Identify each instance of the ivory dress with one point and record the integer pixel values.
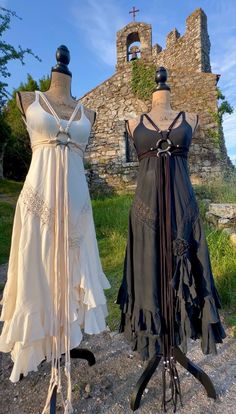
(55, 279)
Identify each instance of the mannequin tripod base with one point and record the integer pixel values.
(80, 353)
(180, 357)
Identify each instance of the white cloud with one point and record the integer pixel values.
(99, 22)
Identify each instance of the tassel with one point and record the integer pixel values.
(169, 367)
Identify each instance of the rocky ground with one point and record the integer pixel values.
(105, 387)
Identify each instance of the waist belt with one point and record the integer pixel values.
(171, 149)
(71, 145)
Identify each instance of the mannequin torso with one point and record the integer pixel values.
(162, 114)
(59, 96)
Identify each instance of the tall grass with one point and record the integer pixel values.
(111, 221)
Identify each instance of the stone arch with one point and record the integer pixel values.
(134, 32)
(133, 40)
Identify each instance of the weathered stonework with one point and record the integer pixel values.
(223, 216)
(111, 160)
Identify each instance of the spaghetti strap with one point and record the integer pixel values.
(78, 105)
(169, 128)
(152, 122)
(49, 106)
(174, 121)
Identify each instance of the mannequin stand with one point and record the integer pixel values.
(80, 353)
(180, 357)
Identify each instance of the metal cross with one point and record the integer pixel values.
(133, 12)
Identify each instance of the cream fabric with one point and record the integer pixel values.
(55, 280)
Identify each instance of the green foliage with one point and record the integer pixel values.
(10, 188)
(44, 83)
(8, 52)
(218, 192)
(18, 152)
(223, 261)
(143, 79)
(223, 108)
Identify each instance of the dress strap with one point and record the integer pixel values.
(152, 122)
(174, 121)
(49, 106)
(171, 125)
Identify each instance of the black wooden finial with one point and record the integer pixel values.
(63, 60)
(161, 78)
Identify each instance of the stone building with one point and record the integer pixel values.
(110, 159)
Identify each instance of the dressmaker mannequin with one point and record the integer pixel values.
(166, 347)
(59, 93)
(161, 113)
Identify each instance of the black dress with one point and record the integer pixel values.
(168, 292)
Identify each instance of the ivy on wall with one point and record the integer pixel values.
(143, 85)
(143, 79)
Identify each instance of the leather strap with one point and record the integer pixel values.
(180, 151)
(171, 125)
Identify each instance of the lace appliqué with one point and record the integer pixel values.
(86, 207)
(74, 242)
(36, 205)
(76, 239)
(143, 212)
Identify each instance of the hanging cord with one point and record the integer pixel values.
(55, 369)
(68, 405)
(169, 369)
(61, 233)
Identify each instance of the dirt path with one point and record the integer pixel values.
(105, 388)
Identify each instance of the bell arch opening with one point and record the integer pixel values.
(133, 46)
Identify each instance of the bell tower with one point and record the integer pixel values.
(134, 41)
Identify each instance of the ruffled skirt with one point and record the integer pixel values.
(196, 300)
(36, 278)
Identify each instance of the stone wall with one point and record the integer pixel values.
(193, 89)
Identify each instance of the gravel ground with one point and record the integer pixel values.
(105, 387)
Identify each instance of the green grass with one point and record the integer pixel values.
(8, 187)
(111, 222)
(6, 220)
(217, 192)
(223, 261)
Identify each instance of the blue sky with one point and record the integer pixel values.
(88, 28)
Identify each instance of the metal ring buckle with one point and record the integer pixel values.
(160, 150)
(64, 132)
(59, 142)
